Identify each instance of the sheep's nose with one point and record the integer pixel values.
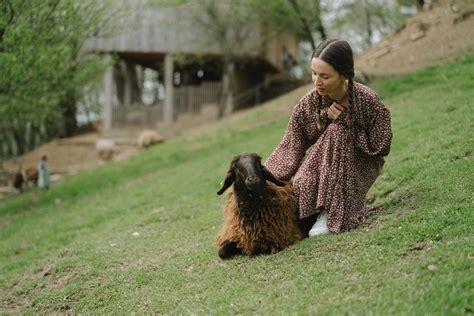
(252, 179)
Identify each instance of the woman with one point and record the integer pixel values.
(334, 144)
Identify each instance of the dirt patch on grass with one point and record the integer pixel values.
(466, 155)
(19, 295)
(436, 36)
(71, 155)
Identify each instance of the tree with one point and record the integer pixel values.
(43, 69)
(241, 27)
(365, 21)
(302, 18)
(232, 25)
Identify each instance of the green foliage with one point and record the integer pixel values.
(74, 249)
(365, 20)
(302, 18)
(41, 61)
(232, 26)
(407, 2)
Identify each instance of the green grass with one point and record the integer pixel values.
(73, 249)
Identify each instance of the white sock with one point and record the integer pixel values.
(321, 225)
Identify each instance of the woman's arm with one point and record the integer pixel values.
(377, 138)
(286, 158)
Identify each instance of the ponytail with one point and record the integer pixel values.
(350, 118)
(319, 124)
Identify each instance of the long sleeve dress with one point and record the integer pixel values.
(329, 172)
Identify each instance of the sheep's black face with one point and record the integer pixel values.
(246, 170)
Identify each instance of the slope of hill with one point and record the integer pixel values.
(137, 235)
(436, 36)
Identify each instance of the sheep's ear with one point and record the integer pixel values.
(270, 177)
(229, 179)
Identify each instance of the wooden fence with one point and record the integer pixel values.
(137, 115)
(187, 99)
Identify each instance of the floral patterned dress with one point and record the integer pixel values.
(329, 172)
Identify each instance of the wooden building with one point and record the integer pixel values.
(166, 49)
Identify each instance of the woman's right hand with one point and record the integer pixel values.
(335, 110)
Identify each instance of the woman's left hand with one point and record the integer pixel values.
(335, 110)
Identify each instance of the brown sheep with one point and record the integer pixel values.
(17, 181)
(149, 138)
(21, 178)
(31, 174)
(260, 217)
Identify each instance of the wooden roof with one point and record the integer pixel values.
(157, 30)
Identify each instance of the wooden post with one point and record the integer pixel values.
(168, 107)
(108, 95)
(129, 76)
(191, 100)
(228, 82)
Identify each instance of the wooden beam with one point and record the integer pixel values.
(129, 76)
(169, 93)
(108, 95)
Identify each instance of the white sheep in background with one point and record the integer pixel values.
(105, 148)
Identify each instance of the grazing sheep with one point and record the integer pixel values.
(31, 174)
(17, 180)
(105, 148)
(21, 178)
(149, 138)
(259, 216)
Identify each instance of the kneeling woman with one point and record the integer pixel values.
(334, 144)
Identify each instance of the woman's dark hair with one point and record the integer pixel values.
(338, 54)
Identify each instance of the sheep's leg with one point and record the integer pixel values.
(228, 249)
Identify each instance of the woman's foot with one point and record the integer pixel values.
(321, 225)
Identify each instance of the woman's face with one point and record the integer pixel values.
(327, 80)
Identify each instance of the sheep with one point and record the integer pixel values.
(31, 174)
(105, 148)
(17, 180)
(260, 217)
(148, 138)
(20, 179)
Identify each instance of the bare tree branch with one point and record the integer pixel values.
(305, 23)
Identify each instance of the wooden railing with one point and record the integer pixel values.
(249, 97)
(137, 115)
(187, 99)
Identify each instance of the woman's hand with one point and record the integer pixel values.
(335, 110)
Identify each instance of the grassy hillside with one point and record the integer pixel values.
(138, 235)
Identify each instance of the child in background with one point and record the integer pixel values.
(43, 173)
